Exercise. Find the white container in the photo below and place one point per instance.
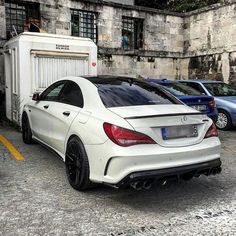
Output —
(33, 61)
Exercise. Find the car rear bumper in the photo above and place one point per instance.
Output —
(213, 116)
(233, 118)
(182, 172)
(111, 164)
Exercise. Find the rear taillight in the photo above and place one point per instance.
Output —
(124, 137)
(211, 132)
(212, 104)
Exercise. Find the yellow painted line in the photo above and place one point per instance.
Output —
(16, 154)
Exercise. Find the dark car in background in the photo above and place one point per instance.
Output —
(190, 96)
(225, 97)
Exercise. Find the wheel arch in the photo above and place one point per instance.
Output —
(25, 112)
(69, 138)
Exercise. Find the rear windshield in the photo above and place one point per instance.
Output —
(220, 89)
(181, 90)
(123, 93)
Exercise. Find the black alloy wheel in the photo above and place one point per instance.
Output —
(77, 165)
(26, 130)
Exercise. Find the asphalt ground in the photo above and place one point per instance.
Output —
(36, 199)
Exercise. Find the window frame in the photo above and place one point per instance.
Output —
(77, 12)
(135, 26)
(23, 9)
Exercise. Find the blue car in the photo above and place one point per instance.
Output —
(190, 97)
(225, 97)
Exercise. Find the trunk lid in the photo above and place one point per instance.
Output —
(156, 120)
(201, 103)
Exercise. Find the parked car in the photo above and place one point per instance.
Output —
(121, 131)
(190, 97)
(225, 97)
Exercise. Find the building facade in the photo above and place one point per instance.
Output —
(133, 40)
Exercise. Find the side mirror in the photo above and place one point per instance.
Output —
(36, 97)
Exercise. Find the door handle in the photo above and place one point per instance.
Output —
(66, 113)
(46, 106)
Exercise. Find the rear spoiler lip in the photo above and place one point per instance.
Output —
(163, 115)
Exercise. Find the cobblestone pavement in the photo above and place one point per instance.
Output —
(36, 199)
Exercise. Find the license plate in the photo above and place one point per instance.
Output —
(200, 107)
(183, 131)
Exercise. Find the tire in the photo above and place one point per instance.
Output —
(224, 120)
(77, 165)
(26, 130)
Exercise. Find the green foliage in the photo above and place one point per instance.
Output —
(189, 5)
(177, 5)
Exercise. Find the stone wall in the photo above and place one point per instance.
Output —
(163, 36)
(198, 44)
(163, 44)
(140, 66)
(209, 43)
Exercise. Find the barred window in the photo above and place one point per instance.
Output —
(84, 24)
(132, 33)
(19, 14)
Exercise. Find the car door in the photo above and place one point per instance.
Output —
(63, 112)
(41, 113)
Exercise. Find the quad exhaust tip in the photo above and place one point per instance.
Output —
(147, 184)
(139, 185)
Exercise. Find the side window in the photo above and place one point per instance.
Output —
(196, 86)
(72, 95)
(52, 93)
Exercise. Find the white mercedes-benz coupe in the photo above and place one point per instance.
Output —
(121, 131)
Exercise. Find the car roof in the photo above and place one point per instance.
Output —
(111, 79)
(162, 81)
(202, 81)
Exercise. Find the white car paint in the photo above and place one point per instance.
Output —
(110, 163)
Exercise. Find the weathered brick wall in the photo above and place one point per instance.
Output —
(209, 42)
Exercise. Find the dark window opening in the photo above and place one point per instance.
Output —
(84, 24)
(72, 95)
(21, 16)
(132, 33)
